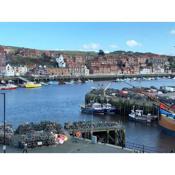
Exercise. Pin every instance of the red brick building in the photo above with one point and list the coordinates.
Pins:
(2, 60)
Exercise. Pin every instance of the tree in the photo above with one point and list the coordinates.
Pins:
(101, 53)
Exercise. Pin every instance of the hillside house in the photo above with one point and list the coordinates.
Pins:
(2, 60)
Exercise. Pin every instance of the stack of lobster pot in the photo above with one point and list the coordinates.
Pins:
(9, 133)
(35, 139)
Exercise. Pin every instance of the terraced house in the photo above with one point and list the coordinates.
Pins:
(66, 63)
(2, 60)
(129, 64)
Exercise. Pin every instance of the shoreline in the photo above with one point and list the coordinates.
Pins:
(98, 77)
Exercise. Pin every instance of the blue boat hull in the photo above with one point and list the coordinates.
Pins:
(92, 111)
(166, 113)
(110, 111)
(102, 110)
(167, 131)
(137, 120)
(167, 122)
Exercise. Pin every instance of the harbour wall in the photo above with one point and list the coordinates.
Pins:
(123, 103)
(87, 77)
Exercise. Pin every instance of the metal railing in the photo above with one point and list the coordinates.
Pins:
(145, 149)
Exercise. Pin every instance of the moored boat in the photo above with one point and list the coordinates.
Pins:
(98, 108)
(109, 109)
(89, 81)
(8, 87)
(95, 108)
(70, 82)
(78, 81)
(43, 83)
(167, 120)
(32, 85)
(61, 82)
(137, 115)
(52, 83)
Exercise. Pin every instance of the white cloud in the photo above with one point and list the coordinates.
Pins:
(91, 46)
(132, 43)
(60, 49)
(172, 32)
(113, 46)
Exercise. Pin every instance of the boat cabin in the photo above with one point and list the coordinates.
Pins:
(96, 106)
(139, 112)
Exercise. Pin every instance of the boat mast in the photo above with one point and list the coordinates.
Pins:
(104, 91)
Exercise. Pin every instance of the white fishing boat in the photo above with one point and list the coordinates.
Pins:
(53, 83)
(137, 115)
(43, 83)
(70, 82)
(94, 108)
(109, 109)
(89, 81)
(8, 87)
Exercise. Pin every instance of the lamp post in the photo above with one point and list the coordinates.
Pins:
(4, 141)
(92, 124)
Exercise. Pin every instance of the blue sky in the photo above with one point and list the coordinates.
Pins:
(142, 37)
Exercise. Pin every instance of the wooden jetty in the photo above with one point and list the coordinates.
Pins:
(105, 132)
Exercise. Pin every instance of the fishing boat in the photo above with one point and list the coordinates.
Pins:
(8, 87)
(70, 82)
(78, 81)
(137, 115)
(98, 108)
(109, 109)
(43, 83)
(52, 83)
(32, 85)
(94, 108)
(89, 81)
(167, 120)
(61, 82)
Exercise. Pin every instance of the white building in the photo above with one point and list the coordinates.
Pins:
(145, 71)
(60, 61)
(15, 71)
(79, 71)
(86, 71)
(9, 71)
(158, 69)
(20, 71)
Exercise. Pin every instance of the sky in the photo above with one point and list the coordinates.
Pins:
(108, 36)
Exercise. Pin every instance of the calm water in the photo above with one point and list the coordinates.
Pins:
(61, 103)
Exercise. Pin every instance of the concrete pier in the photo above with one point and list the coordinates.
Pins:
(74, 145)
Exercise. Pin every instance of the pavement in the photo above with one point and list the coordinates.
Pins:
(73, 145)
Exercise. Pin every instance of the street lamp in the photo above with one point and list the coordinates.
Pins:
(4, 141)
(92, 119)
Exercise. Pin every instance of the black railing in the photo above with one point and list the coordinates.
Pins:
(145, 149)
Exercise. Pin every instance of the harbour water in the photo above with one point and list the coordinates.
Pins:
(61, 103)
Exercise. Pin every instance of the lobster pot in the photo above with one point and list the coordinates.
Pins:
(94, 139)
